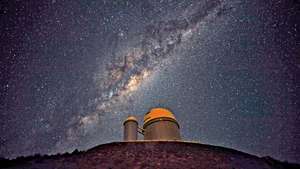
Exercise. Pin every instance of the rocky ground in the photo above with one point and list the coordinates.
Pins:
(154, 154)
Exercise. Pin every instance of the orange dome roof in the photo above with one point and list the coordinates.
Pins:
(157, 113)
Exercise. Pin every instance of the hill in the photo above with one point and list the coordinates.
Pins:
(149, 154)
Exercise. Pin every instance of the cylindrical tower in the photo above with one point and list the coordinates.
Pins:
(130, 129)
(160, 124)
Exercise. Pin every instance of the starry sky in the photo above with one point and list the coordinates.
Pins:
(72, 71)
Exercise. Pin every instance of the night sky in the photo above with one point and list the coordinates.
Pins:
(72, 71)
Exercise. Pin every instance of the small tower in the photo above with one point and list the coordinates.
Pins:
(130, 129)
(159, 124)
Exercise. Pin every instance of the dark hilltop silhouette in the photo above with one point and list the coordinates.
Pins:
(149, 154)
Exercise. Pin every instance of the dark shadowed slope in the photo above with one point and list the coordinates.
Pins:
(155, 154)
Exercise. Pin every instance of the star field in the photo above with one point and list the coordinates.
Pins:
(72, 71)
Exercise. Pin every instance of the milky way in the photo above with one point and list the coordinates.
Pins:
(157, 42)
(75, 69)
